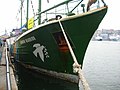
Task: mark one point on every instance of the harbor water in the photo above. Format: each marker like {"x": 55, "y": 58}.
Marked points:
{"x": 101, "y": 68}
{"x": 102, "y": 65}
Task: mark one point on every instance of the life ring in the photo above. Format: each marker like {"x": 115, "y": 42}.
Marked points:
{"x": 58, "y": 17}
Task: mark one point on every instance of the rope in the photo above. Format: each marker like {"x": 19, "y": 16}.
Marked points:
{"x": 69, "y": 46}
{"x": 22, "y": 1}
{"x": 33, "y": 8}
{"x": 76, "y": 66}
{"x": 83, "y": 80}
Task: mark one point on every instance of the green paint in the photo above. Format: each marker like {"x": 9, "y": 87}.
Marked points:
{"x": 79, "y": 30}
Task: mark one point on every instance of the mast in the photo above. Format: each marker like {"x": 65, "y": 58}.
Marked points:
{"x": 27, "y": 14}
{"x": 39, "y": 10}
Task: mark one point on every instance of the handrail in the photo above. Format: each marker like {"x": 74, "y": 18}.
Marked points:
{"x": 76, "y": 6}
{"x": 8, "y": 80}
{"x": 54, "y": 6}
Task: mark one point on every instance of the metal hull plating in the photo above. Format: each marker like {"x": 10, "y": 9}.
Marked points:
{"x": 45, "y": 46}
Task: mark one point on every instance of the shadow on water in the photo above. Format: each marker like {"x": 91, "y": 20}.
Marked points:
{"x": 30, "y": 80}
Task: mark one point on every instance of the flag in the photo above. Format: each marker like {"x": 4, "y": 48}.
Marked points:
{"x": 30, "y": 23}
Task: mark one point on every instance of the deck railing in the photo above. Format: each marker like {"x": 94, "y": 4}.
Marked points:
{"x": 8, "y": 79}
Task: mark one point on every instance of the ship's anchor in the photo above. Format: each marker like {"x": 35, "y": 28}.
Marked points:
{"x": 76, "y": 66}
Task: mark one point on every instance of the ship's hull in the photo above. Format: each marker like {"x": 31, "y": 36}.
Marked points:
{"x": 45, "y": 46}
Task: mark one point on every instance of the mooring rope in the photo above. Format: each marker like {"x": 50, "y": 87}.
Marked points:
{"x": 76, "y": 66}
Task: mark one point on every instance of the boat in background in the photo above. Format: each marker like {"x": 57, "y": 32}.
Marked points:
{"x": 45, "y": 48}
{"x": 98, "y": 38}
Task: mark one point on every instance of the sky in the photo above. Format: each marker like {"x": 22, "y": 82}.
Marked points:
{"x": 9, "y": 10}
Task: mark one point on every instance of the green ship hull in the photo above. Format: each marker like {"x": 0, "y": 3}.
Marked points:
{"x": 45, "y": 46}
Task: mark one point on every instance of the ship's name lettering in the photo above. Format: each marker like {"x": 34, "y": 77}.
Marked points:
{"x": 27, "y": 40}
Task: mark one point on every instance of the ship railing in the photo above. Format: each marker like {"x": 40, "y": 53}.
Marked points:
{"x": 8, "y": 79}
{"x": 64, "y": 9}
{"x": 71, "y": 7}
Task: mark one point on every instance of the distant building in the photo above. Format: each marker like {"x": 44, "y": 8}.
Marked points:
{"x": 107, "y": 35}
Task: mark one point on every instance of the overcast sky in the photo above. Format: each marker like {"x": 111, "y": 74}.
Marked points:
{"x": 9, "y": 10}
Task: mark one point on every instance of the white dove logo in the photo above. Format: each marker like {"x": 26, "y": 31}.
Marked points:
{"x": 40, "y": 51}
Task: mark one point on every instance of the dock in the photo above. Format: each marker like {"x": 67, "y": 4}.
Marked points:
{"x": 7, "y": 78}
